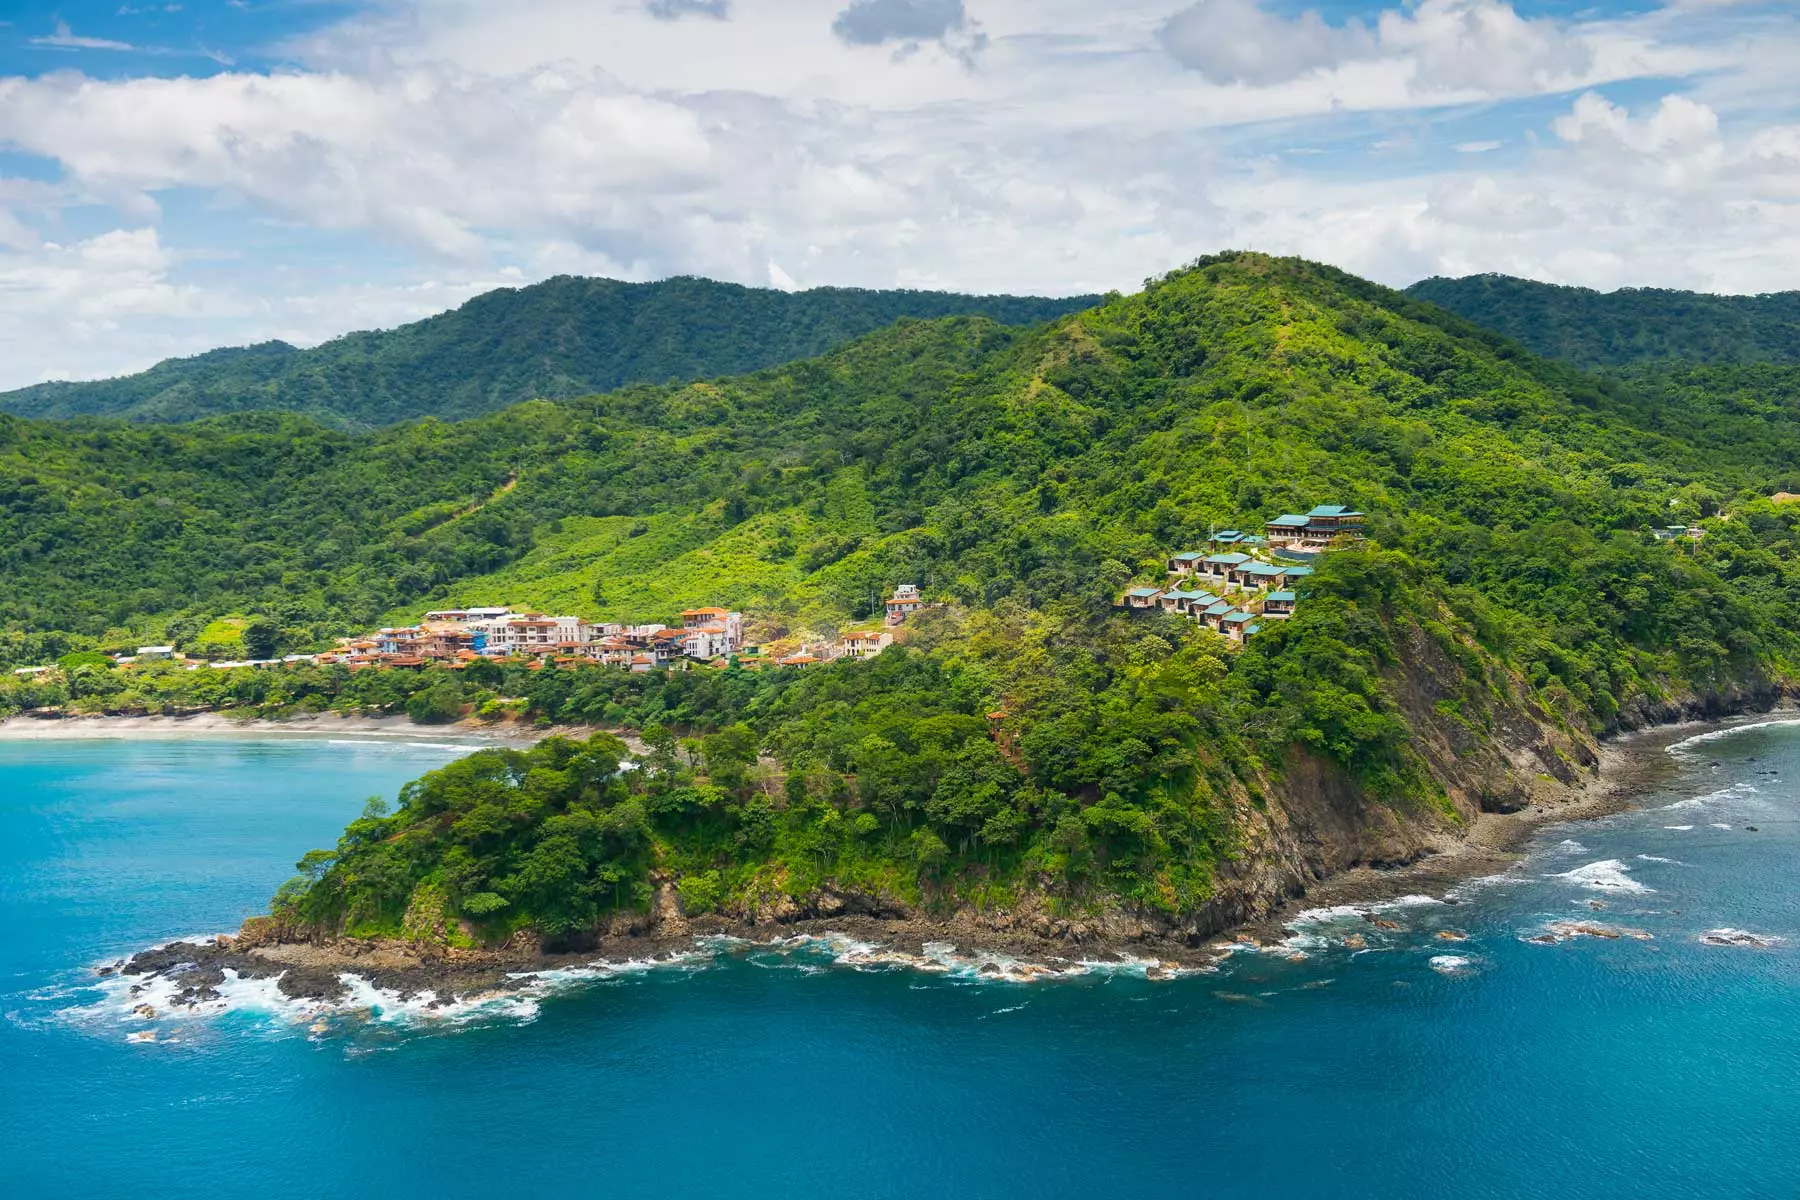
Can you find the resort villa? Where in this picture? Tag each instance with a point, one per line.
(1317, 529)
(1248, 578)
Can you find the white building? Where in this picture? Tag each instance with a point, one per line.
(712, 632)
(531, 633)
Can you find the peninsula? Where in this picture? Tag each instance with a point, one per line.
(1117, 630)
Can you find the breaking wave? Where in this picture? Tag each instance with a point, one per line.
(1684, 748)
(1607, 875)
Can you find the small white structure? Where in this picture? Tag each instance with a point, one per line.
(155, 652)
(904, 603)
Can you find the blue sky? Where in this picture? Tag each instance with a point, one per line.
(188, 174)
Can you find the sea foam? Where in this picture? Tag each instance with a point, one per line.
(1607, 875)
(1684, 748)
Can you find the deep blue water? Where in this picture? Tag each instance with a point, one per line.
(1589, 1068)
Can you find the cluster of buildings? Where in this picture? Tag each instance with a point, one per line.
(459, 636)
(1244, 579)
(905, 602)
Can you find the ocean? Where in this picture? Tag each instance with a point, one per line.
(1519, 1055)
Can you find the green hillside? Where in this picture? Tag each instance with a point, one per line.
(1513, 603)
(1632, 325)
(564, 337)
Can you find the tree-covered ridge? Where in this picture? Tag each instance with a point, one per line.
(568, 336)
(1632, 325)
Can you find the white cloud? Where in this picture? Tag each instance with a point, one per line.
(1238, 41)
(1440, 45)
(456, 141)
(65, 39)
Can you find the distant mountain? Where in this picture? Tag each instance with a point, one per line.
(1626, 327)
(565, 337)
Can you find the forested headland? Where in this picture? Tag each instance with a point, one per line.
(1029, 740)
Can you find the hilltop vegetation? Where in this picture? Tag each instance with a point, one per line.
(1513, 598)
(565, 337)
(1633, 325)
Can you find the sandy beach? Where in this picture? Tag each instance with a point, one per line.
(211, 724)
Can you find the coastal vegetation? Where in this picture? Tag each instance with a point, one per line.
(1028, 738)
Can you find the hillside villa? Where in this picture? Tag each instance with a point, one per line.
(904, 603)
(1249, 579)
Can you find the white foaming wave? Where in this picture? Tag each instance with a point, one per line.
(1452, 964)
(1569, 846)
(1658, 858)
(392, 742)
(1412, 901)
(1328, 916)
(1719, 825)
(1607, 875)
(1679, 828)
(362, 999)
(1511, 877)
(1741, 937)
(1733, 792)
(1683, 748)
(951, 963)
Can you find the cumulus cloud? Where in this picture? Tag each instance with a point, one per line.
(675, 10)
(474, 144)
(1237, 41)
(910, 23)
(429, 158)
(1444, 45)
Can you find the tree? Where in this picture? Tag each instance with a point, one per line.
(261, 638)
(438, 704)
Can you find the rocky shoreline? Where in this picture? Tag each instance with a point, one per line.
(1021, 945)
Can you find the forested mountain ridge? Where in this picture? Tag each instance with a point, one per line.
(1626, 327)
(567, 336)
(1031, 740)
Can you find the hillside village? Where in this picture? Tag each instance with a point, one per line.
(454, 638)
(1235, 585)
(1245, 579)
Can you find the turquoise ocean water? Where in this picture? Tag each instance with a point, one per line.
(1413, 1067)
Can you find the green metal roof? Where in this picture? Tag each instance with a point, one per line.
(1230, 560)
(1299, 572)
(1237, 618)
(1144, 591)
(1293, 520)
(1333, 510)
(1279, 596)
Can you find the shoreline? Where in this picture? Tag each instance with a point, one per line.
(1630, 764)
(215, 724)
(315, 970)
